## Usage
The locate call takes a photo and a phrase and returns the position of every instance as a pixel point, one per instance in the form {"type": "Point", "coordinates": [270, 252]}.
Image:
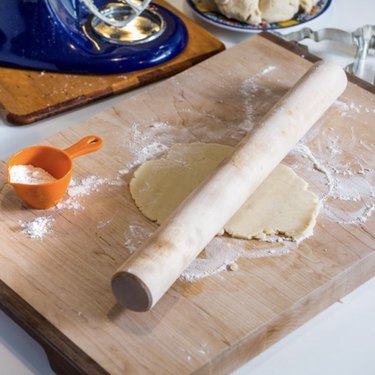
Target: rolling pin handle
{"type": "Point", "coordinates": [137, 296]}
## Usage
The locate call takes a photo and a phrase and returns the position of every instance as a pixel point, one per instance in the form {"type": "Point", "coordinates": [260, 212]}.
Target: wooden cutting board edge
{"type": "Point", "coordinates": [306, 308]}
{"type": "Point", "coordinates": [66, 358]}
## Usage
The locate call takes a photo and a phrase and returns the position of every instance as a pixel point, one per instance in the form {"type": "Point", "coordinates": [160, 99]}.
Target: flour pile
{"type": "Point", "coordinates": [38, 227]}
{"type": "Point", "coordinates": [28, 174]}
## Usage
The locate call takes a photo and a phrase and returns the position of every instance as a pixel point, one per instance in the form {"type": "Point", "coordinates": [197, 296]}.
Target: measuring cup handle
{"type": "Point", "coordinates": [86, 145]}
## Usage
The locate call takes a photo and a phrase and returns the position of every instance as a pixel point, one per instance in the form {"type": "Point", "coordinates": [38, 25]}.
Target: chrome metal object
{"type": "Point", "coordinates": [362, 39]}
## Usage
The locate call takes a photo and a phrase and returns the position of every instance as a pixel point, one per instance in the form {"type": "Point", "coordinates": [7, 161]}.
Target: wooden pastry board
{"type": "Point", "coordinates": [27, 96]}
{"type": "Point", "coordinates": [58, 288]}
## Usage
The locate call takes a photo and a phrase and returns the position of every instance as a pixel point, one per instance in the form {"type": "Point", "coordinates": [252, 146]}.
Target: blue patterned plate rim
{"type": "Point", "coordinates": [220, 20]}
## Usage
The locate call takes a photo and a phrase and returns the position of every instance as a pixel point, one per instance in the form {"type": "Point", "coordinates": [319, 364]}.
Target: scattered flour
{"type": "Point", "coordinates": [83, 186]}
{"type": "Point", "coordinates": [348, 180]}
{"type": "Point", "coordinates": [256, 97]}
{"type": "Point", "coordinates": [28, 174]}
{"type": "Point", "coordinates": [352, 108]}
{"type": "Point", "coordinates": [38, 227]}
{"type": "Point", "coordinates": [78, 187]}
{"type": "Point", "coordinates": [358, 217]}
{"type": "Point", "coordinates": [266, 70]}
{"type": "Point", "coordinates": [220, 254]}
{"type": "Point", "coordinates": [318, 165]}
{"type": "Point", "coordinates": [144, 145]}
{"type": "Point", "coordinates": [341, 106]}
{"type": "Point", "coordinates": [135, 236]}
{"type": "Point", "coordinates": [69, 204]}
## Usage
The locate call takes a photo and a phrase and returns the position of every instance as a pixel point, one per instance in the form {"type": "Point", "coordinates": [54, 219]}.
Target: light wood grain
{"type": "Point", "coordinates": [213, 325]}
{"type": "Point", "coordinates": [27, 96]}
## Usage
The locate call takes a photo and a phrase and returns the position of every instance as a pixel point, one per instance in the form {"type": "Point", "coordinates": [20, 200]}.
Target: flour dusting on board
{"type": "Point", "coordinates": [349, 179]}
{"type": "Point", "coordinates": [78, 188]}
{"type": "Point", "coordinates": [136, 234]}
{"type": "Point", "coordinates": [83, 186]}
{"type": "Point", "coordinates": [147, 144]}
{"type": "Point", "coordinates": [257, 98]}
{"type": "Point", "coordinates": [38, 227]}
{"type": "Point", "coordinates": [221, 253]}
{"type": "Point", "coordinates": [352, 108]}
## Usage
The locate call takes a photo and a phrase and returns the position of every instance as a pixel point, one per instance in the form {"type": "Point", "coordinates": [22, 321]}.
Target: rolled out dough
{"type": "Point", "coordinates": [282, 205]}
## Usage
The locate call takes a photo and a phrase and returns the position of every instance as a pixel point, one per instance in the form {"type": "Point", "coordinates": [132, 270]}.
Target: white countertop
{"type": "Point", "coordinates": [340, 340]}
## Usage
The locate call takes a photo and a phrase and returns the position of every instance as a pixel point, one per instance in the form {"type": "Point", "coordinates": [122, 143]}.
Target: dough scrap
{"type": "Point", "coordinates": [282, 205]}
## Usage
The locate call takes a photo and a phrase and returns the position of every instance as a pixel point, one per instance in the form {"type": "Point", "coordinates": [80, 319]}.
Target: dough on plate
{"type": "Point", "coordinates": [242, 10]}
{"type": "Point", "coordinates": [281, 205]}
{"type": "Point", "coordinates": [254, 11]}
{"type": "Point", "coordinates": [307, 5]}
{"type": "Point", "coordinates": [278, 10]}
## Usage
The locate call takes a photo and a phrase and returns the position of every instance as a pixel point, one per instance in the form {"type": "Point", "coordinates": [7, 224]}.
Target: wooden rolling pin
{"type": "Point", "coordinates": [146, 275]}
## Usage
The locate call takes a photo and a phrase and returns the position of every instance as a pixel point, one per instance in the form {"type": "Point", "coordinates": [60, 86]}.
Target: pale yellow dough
{"type": "Point", "coordinates": [282, 205]}
{"type": "Point", "coordinates": [278, 10]}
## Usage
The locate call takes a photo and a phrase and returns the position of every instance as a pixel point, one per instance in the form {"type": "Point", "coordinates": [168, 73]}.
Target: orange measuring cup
{"type": "Point", "coordinates": [56, 162]}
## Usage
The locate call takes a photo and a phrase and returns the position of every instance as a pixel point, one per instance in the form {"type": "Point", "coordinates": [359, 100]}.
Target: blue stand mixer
{"type": "Point", "coordinates": [88, 36]}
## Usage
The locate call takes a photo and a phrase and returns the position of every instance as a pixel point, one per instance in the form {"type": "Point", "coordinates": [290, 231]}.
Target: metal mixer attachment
{"type": "Point", "coordinates": [125, 21]}
{"type": "Point", "coordinates": [362, 39]}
